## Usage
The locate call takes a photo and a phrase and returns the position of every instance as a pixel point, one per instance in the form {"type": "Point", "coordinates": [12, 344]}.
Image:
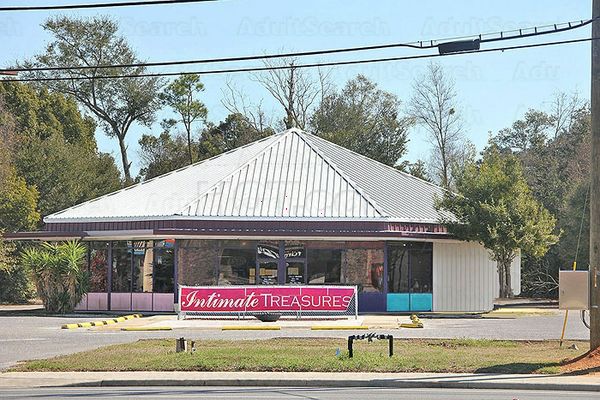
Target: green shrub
{"type": "Point", "coordinates": [59, 274]}
{"type": "Point", "coordinates": [15, 283]}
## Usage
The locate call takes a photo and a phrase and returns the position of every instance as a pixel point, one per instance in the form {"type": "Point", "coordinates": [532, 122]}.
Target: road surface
{"type": "Point", "coordinates": [254, 393]}
{"type": "Point", "coordinates": [34, 337]}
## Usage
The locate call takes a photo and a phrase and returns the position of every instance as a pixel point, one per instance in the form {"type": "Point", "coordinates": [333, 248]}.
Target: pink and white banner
{"type": "Point", "coordinates": [266, 298]}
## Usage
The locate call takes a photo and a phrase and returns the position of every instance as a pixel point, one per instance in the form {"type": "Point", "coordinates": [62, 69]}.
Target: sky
{"type": "Point", "coordinates": [493, 89]}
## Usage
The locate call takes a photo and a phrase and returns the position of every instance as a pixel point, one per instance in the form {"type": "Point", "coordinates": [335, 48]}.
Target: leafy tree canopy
{"type": "Point", "coordinates": [117, 104]}
{"type": "Point", "coordinates": [162, 154]}
{"type": "Point", "coordinates": [168, 152]}
{"type": "Point", "coordinates": [495, 207]}
{"type": "Point", "coordinates": [365, 119]}
{"type": "Point", "coordinates": [18, 201]}
{"type": "Point", "coordinates": [55, 151]}
{"type": "Point", "coordinates": [234, 132]}
{"type": "Point", "coordinates": [180, 96]}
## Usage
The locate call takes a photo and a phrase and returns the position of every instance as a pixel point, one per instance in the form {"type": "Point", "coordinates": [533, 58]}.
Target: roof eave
{"type": "Point", "coordinates": [238, 218]}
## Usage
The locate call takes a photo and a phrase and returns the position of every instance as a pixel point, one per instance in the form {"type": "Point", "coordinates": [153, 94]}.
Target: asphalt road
{"type": "Point", "coordinates": [33, 337]}
{"type": "Point", "coordinates": [250, 393]}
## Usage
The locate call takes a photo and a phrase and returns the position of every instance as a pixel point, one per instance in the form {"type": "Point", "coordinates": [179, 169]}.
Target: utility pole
{"type": "Point", "coordinates": [595, 185]}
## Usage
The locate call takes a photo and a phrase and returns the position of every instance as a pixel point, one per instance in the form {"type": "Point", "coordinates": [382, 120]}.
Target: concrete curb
{"type": "Point", "coordinates": [588, 383]}
{"type": "Point", "coordinates": [337, 328]}
{"type": "Point", "coordinates": [387, 383]}
{"type": "Point", "coordinates": [102, 322]}
{"type": "Point", "coordinates": [146, 328]}
{"type": "Point", "coordinates": [250, 328]}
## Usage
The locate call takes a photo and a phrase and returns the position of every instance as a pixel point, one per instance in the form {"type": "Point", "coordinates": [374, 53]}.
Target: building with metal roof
{"type": "Point", "coordinates": [238, 217]}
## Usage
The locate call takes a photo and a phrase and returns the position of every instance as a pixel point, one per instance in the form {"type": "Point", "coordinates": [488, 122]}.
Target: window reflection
{"type": "Point", "coordinates": [410, 267]}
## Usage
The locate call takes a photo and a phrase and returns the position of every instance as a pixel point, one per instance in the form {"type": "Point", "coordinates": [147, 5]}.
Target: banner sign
{"type": "Point", "coordinates": [266, 298]}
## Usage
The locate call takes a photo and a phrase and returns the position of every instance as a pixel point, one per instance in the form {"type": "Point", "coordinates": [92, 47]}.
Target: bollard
{"type": "Point", "coordinates": [180, 345]}
{"type": "Point", "coordinates": [350, 341]}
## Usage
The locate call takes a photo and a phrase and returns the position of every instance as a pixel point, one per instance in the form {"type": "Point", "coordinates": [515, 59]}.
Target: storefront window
{"type": "Point", "coordinates": [143, 266]}
{"type": "Point", "coordinates": [324, 266]}
{"type": "Point", "coordinates": [237, 263]}
{"type": "Point", "coordinates": [398, 256]}
{"type": "Point", "coordinates": [121, 267]}
{"type": "Point", "coordinates": [410, 267]}
{"type": "Point", "coordinates": [362, 265]}
{"type": "Point", "coordinates": [198, 262]}
{"type": "Point", "coordinates": [98, 266]}
{"type": "Point", "coordinates": [267, 256]}
{"type": "Point", "coordinates": [295, 262]}
{"type": "Point", "coordinates": [163, 270]}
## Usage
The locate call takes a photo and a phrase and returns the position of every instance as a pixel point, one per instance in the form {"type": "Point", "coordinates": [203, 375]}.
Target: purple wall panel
{"type": "Point", "coordinates": [371, 302]}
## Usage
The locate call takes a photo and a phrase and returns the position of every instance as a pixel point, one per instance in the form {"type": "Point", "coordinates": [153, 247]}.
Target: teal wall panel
{"type": "Point", "coordinates": [398, 302]}
{"type": "Point", "coordinates": [421, 302]}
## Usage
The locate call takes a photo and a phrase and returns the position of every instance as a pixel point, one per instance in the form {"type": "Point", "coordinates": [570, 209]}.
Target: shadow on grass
{"type": "Point", "coordinates": [516, 368]}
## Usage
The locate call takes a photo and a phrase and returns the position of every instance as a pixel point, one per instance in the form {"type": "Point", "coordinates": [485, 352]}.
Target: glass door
{"type": "Point", "coordinates": [410, 276]}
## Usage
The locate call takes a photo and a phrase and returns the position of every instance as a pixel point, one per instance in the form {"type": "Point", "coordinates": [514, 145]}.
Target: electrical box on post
{"type": "Point", "coordinates": [573, 290]}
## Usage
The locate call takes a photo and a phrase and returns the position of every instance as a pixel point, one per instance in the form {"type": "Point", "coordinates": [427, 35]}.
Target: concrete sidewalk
{"type": "Point", "coordinates": [301, 379]}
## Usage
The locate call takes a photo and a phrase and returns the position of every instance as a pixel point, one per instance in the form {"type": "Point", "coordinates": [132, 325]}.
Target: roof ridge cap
{"type": "Point", "coordinates": [345, 176]}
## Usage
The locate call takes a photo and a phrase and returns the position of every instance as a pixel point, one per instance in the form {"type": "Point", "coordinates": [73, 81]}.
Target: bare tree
{"type": "Point", "coordinates": [295, 89]}
{"type": "Point", "coordinates": [565, 109]}
{"type": "Point", "coordinates": [433, 105]}
{"type": "Point", "coordinates": [237, 102]}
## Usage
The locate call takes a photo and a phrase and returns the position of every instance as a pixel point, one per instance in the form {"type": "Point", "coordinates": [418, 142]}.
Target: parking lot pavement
{"type": "Point", "coordinates": [33, 337]}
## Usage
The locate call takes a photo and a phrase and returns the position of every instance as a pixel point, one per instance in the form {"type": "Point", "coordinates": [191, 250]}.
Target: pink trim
{"type": "Point", "coordinates": [83, 304]}
{"type": "Point", "coordinates": [163, 302]}
{"type": "Point", "coordinates": [120, 301]}
{"type": "Point", "coordinates": [97, 301]}
{"type": "Point", "coordinates": [141, 301]}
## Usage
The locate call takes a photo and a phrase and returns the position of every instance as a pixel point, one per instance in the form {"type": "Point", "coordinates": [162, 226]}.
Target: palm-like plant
{"type": "Point", "coordinates": [59, 274]}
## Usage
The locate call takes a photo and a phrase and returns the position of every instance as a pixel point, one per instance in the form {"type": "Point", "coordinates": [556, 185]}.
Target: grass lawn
{"type": "Point", "coordinates": [319, 354]}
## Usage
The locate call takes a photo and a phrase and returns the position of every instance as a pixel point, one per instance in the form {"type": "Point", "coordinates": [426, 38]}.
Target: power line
{"type": "Point", "coordinates": [99, 5]}
{"type": "Point", "coordinates": [312, 65]}
{"type": "Point", "coordinates": [427, 44]}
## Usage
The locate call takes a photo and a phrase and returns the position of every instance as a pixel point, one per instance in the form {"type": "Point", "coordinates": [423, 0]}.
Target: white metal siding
{"type": "Point", "coordinates": [465, 279]}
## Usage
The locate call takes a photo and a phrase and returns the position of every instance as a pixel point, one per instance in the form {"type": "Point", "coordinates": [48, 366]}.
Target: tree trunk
{"type": "Point", "coordinates": [189, 140]}
{"type": "Point", "coordinates": [125, 160]}
{"type": "Point", "coordinates": [509, 292]}
{"type": "Point", "coordinates": [501, 280]}
{"type": "Point", "coordinates": [504, 277]}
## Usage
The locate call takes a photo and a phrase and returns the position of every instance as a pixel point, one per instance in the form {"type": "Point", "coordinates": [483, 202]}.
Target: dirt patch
{"type": "Point", "coordinates": [584, 364]}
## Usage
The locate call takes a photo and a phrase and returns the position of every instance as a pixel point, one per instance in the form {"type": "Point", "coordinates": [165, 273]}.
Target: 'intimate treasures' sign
{"type": "Point", "coordinates": [266, 298]}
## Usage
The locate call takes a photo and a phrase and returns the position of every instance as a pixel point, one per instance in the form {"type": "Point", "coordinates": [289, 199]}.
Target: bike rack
{"type": "Point", "coordinates": [370, 337]}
